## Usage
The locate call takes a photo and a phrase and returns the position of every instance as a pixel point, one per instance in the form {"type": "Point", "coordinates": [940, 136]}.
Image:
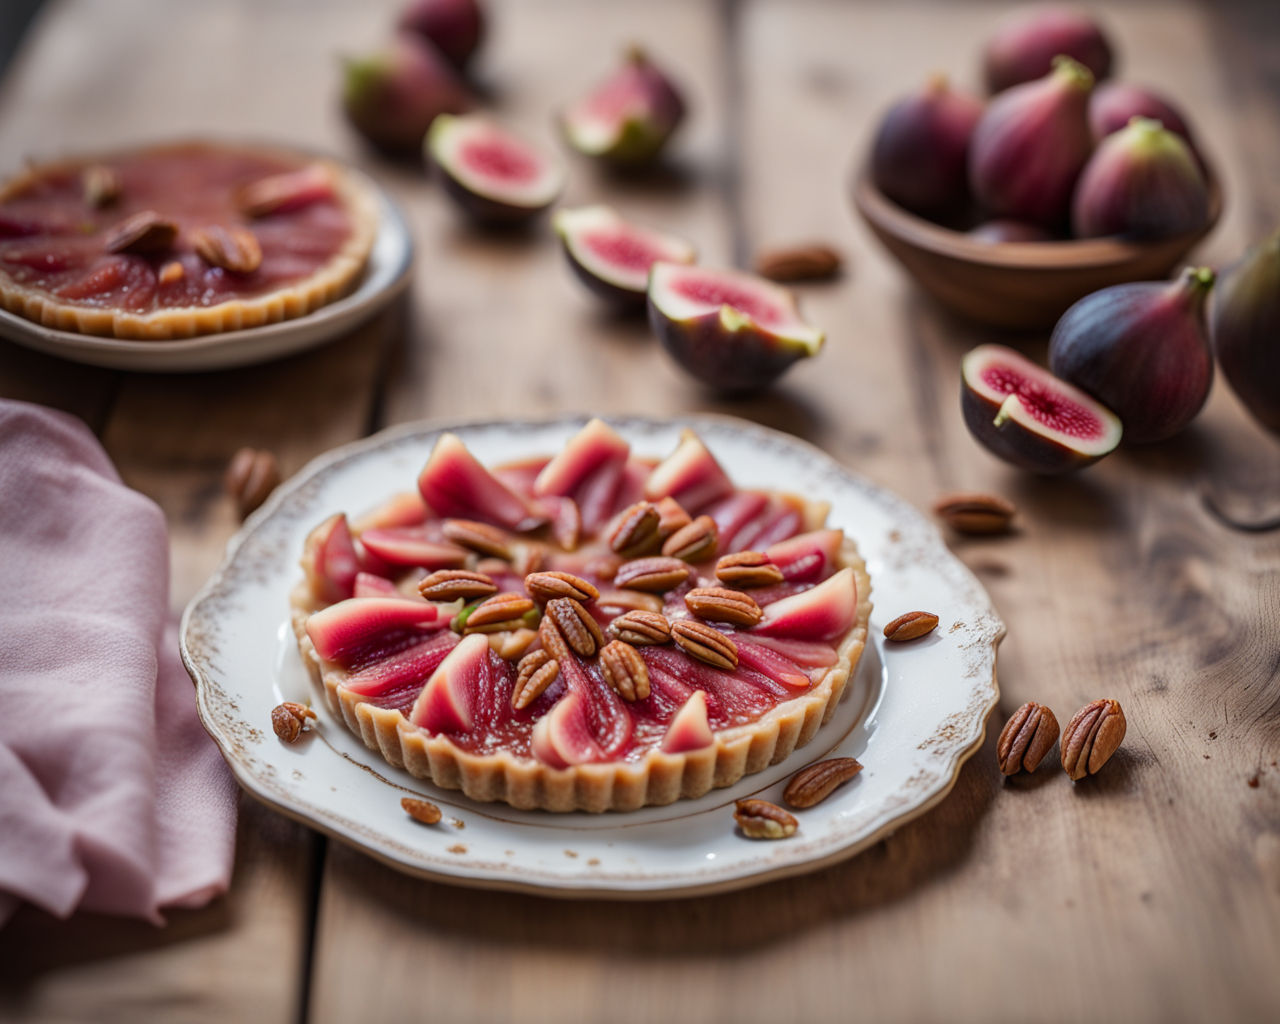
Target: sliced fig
{"type": "Point", "coordinates": [690, 474]}
{"type": "Point", "coordinates": [456, 486]}
{"type": "Point", "coordinates": [405, 509]}
{"type": "Point", "coordinates": [1024, 44]}
{"type": "Point", "coordinates": [1245, 327]}
{"type": "Point", "coordinates": [733, 513]}
{"type": "Point", "coordinates": [496, 177]}
{"type": "Point", "coordinates": [611, 256]}
{"type": "Point", "coordinates": [628, 118]}
{"type": "Point", "coordinates": [369, 585]}
{"type": "Point", "coordinates": [776, 523]}
{"type": "Point", "coordinates": [770, 662]}
{"type": "Point", "coordinates": [1028, 417]}
{"type": "Point", "coordinates": [732, 697]}
{"type": "Point", "coordinates": [809, 654]}
{"type": "Point", "coordinates": [807, 556]}
{"type": "Point", "coordinates": [689, 730]}
{"type": "Point", "coordinates": [329, 559]}
{"type": "Point", "coordinates": [730, 329]}
{"type": "Point", "coordinates": [408, 546]}
{"type": "Point", "coordinates": [445, 704]}
{"type": "Point", "coordinates": [823, 612]}
{"type": "Point", "coordinates": [405, 671]}
{"type": "Point", "coordinates": [589, 468]}
{"type": "Point", "coordinates": [454, 27]}
{"type": "Point", "coordinates": [347, 626]}
{"type": "Point", "coordinates": [562, 737]}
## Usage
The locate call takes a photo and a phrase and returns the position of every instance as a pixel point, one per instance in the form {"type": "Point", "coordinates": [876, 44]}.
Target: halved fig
{"type": "Point", "coordinates": [807, 556]}
{"type": "Point", "coordinates": [405, 509]}
{"type": "Point", "coordinates": [345, 627]}
{"type": "Point", "coordinates": [496, 177]}
{"type": "Point", "coordinates": [823, 612]}
{"type": "Point", "coordinates": [689, 730]}
{"type": "Point", "coordinates": [690, 474]}
{"type": "Point", "coordinates": [628, 119]}
{"type": "Point", "coordinates": [445, 704]}
{"type": "Point", "coordinates": [457, 486]}
{"type": "Point", "coordinates": [730, 329]}
{"type": "Point", "coordinates": [1029, 417]}
{"type": "Point", "coordinates": [329, 559]}
{"type": "Point", "coordinates": [589, 468]}
{"type": "Point", "coordinates": [562, 737]}
{"type": "Point", "coordinates": [611, 256]}
{"type": "Point", "coordinates": [409, 546]}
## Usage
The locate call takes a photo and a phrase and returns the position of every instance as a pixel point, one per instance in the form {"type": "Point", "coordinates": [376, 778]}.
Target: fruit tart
{"type": "Point", "coordinates": [181, 240]}
{"type": "Point", "coordinates": [591, 631]}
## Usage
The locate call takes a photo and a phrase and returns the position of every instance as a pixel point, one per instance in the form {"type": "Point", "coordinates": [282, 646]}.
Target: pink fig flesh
{"type": "Point", "coordinates": [1245, 327]}
{"type": "Point", "coordinates": [402, 510]}
{"type": "Point", "coordinates": [733, 513]}
{"type": "Point", "coordinates": [369, 585]}
{"type": "Point", "coordinates": [409, 546]}
{"type": "Point", "coordinates": [456, 486]}
{"type": "Point", "coordinates": [402, 674]}
{"type": "Point", "coordinates": [629, 118]}
{"type": "Point", "coordinates": [611, 256]}
{"type": "Point", "coordinates": [807, 556]}
{"type": "Point", "coordinates": [823, 612]}
{"type": "Point", "coordinates": [344, 628]}
{"type": "Point", "coordinates": [589, 468]}
{"type": "Point", "coordinates": [689, 730]}
{"type": "Point", "coordinates": [776, 522]}
{"type": "Point", "coordinates": [811, 654]}
{"type": "Point", "coordinates": [445, 704]}
{"type": "Point", "coordinates": [562, 737]}
{"type": "Point", "coordinates": [1024, 44]}
{"type": "Point", "coordinates": [771, 663]}
{"type": "Point", "coordinates": [454, 27]}
{"type": "Point", "coordinates": [329, 560]}
{"type": "Point", "coordinates": [690, 474]}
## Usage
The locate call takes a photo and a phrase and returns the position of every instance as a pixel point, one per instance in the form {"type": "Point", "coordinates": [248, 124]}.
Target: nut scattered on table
{"type": "Point", "coordinates": [1091, 737]}
{"type": "Point", "coordinates": [975, 513]}
{"type": "Point", "coordinates": [421, 810]}
{"type": "Point", "coordinates": [289, 719]}
{"type": "Point", "coordinates": [250, 478]}
{"type": "Point", "coordinates": [910, 626]}
{"type": "Point", "coordinates": [760, 819]}
{"type": "Point", "coordinates": [811, 262]}
{"type": "Point", "coordinates": [1029, 734]}
{"type": "Point", "coordinates": [812, 785]}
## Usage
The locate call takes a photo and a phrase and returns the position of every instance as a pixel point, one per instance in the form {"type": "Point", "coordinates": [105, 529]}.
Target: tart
{"type": "Point", "coordinates": [594, 631]}
{"type": "Point", "coordinates": [182, 240]}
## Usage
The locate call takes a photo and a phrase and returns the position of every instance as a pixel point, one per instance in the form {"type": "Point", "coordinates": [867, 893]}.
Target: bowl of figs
{"type": "Point", "coordinates": [1062, 182]}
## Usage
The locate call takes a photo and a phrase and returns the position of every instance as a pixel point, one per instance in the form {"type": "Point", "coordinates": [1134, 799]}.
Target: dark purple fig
{"type": "Point", "coordinates": [1245, 327]}
{"type": "Point", "coordinates": [454, 27]}
{"type": "Point", "coordinates": [1141, 182]}
{"type": "Point", "coordinates": [921, 150]}
{"type": "Point", "coordinates": [1141, 349]}
{"type": "Point", "coordinates": [730, 329]}
{"type": "Point", "coordinates": [1024, 44]}
{"type": "Point", "coordinates": [1028, 417]}
{"type": "Point", "coordinates": [629, 117]}
{"type": "Point", "coordinates": [613, 257]}
{"type": "Point", "coordinates": [393, 97]}
{"type": "Point", "coordinates": [1030, 145]}
{"type": "Point", "coordinates": [1011, 231]}
{"type": "Point", "coordinates": [1113, 104]}
{"type": "Point", "coordinates": [496, 177]}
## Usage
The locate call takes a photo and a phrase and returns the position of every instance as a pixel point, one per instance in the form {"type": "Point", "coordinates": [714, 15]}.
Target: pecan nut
{"type": "Point", "coordinates": [515, 643]}
{"type": "Point", "coordinates": [971, 512]}
{"type": "Point", "coordinates": [654, 575]}
{"type": "Point", "coordinates": [537, 670]}
{"type": "Point", "coordinates": [748, 569]}
{"type": "Point", "coordinates": [497, 613]}
{"type": "Point", "coordinates": [289, 719]}
{"type": "Point", "coordinates": [624, 670]}
{"type": "Point", "coordinates": [231, 248]}
{"type": "Point", "coordinates": [250, 478]}
{"type": "Point", "coordinates": [1026, 738]}
{"type": "Point", "coordinates": [812, 785]}
{"type": "Point", "coordinates": [577, 625]}
{"type": "Point", "coordinates": [481, 537]}
{"type": "Point", "coordinates": [695, 542]}
{"type": "Point", "coordinates": [910, 626]}
{"type": "Point", "coordinates": [700, 641]}
{"type": "Point", "coordinates": [760, 819]}
{"type": "Point", "coordinates": [1091, 737]}
{"type": "Point", "coordinates": [452, 584]}
{"type": "Point", "coordinates": [637, 531]}
{"type": "Point", "coordinates": [671, 517]}
{"type": "Point", "coordinates": [720, 604]}
{"type": "Point", "coordinates": [552, 639]}
{"type": "Point", "coordinates": [421, 810]}
{"type": "Point", "coordinates": [641, 628]}
{"type": "Point", "coordinates": [812, 262]}
{"type": "Point", "coordinates": [101, 185]}
{"type": "Point", "coordinates": [545, 586]}
{"type": "Point", "coordinates": [142, 233]}
{"type": "Point", "coordinates": [627, 600]}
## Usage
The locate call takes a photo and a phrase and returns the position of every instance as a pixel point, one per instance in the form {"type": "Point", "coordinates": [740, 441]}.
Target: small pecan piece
{"type": "Point", "coordinates": [624, 670]}
{"type": "Point", "coordinates": [452, 584]}
{"type": "Point", "coordinates": [421, 810]}
{"type": "Point", "coordinates": [481, 537]}
{"type": "Point", "coordinates": [671, 517]}
{"type": "Point", "coordinates": [812, 262]}
{"type": "Point", "coordinates": [231, 248]}
{"type": "Point", "coordinates": [171, 273]}
{"type": "Point", "coordinates": [700, 641]}
{"type": "Point", "coordinates": [577, 625]}
{"type": "Point", "coordinates": [251, 476]}
{"type": "Point", "coordinates": [498, 613]}
{"type": "Point", "coordinates": [695, 542]}
{"type": "Point", "coordinates": [142, 233]}
{"type": "Point", "coordinates": [637, 531]}
{"type": "Point", "coordinates": [748, 569]}
{"type": "Point", "coordinates": [546, 586]}
{"type": "Point", "coordinates": [640, 628]}
{"type": "Point", "coordinates": [760, 819]}
{"type": "Point", "coordinates": [1026, 738]}
{"type": "Point", "coordinates": [515, 643]}
{"type": "Point", "coordinates": [654, 575]}
{"type": "Point", "coordinates": [720, 604]}
{"type": "Point", "coordinates": [1091, 737]}
{"type": "Point", "coordinates": [815, 783]}
{"type": "Point", "coordinates": [537, 670]}
{"type": "Point", "coordinates": [101, 185]}
{"type": "Point", "coordinates": [910, 626]}
{"type": "Point", "coordinates": [289, 719]}
{"type": "Point", "coordinates": [970, 512]}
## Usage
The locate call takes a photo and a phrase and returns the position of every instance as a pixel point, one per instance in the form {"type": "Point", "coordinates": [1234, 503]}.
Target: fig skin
{"type": "Point", "coordinates": [1113, 104]}
{"type": "Point", "coordinates": [658, 113]}
{"type": "Point", "coordinates": [1245, 329]}
{"type": "Point", "coordinates": [455, 27]}
{"type": "Point", "coordinates": [1141, 350]}
{"type": "Point", "coordinates": [997, 231]}
{"type": "Point", "coordinates": [1030, 145]}
{"type": "Point", "coordinates": [1142, 182]}
{"type": "Point", "coordinates": [920, 157]}
{"type": "Point", "coordinates": [1024, 44]}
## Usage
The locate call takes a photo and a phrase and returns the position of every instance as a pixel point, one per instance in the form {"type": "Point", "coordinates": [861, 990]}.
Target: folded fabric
{"type": "Point", "coordinates": [112, 797]}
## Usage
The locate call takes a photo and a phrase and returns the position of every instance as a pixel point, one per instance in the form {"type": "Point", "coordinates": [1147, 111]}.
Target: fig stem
{"type": "Point", "coordinates": [1073, 71]}
{"type": "Point", "coordinates": [1005, 410]}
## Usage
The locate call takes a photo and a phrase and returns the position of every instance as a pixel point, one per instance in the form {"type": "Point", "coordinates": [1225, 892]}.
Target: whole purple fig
{"type": "Point", "coordinates": [1245, 327]}
{"type": "Point", "coordinates": [454, 27]}
{"type": "Point", "coordinates": [1030, 144]}
{"type": "Point", "coordinates": [1141, 350]}
{"type": "Point", "coordinates": [1024, 44]}
{"type": "Point", "coordinates": [1113, 104]}
{"type": "Point", "coordinates": [1141, 182]}
{"type": "Point", "coordinates": [921, 150]}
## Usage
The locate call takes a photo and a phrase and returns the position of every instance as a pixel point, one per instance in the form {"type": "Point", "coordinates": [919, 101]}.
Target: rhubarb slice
{"type": "Point", "coordinates": [690, 474]}
{"type": "Point", "coordinates": [406, 670]}
{"type": "Point", "coordinates": [562, 737]}
{"type": "Point", "coordinates": [689, 730]}
{"type": "Point", "coordinates": [344, 628]}
{"type": "Point", "coordinates": [445, 704]}
{"type": "Point", "coordinates": [409, 546]}
{"type": "Point", "coordinates": [807, 556]}
{"type": "Point", "coordinates": [405, 509]}
{"type": "Point", "coordinates": [456, 486]}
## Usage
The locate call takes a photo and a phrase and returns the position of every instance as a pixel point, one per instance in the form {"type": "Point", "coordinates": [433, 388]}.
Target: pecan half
{"type": "Point", "coordinates": [910, 626]}
{"type": "Point", "coordinates": [251, 476]}
{"type": "Point", "coordinates": [760, 819]}
{"type": "Point", "coordinates": [748, 569]}
{"type": "Point", "coordinates": [700, 641]}
{"type": "Point", "coordinates": [627, 600]}
{"type": "Point", "coordinates": [143, 232]}
{"type": "Point", "coordinates": [498, 613]}
{"type": "Point", "coordinates": [637, 531]}
{"type": "Point", "coordinates": [516, 643]}
{"type": "Point", "coordinates": [231, 248]}
{"type": "Point", "coordinates": [971, 512]}
{"type": "Point", "coordinates": [289, 719]}
{"type": "Point", "coordinates": [1091, 737]}
{"type": "Point", "coordinates": [421, 810]}
{"type": "Point", "coordinates": [552, 639]}
{"type": "Point", "coordinates": [452, 584]}
{"type": "Point", "coordinates": [624, 670]}
{"type": "Point", "coordinates": [537, 670]}
{"type": "Point", "coordinates": [812, 262]}
{"type": "Point", "coordinates": [1026, 738]}
{"type": "Point", "coordinates": [671, 517]}
{"type": "Point", "coordinates": [815, 783]}
{"type": "Point", "coordinates": [720, 604]}
{"type": "Point", "coordinates": [545, 586]}
{"type": "Point", "coordinates": [641, 629]}
{"type": "Point", "coordinates": [654, 575]}
{"type": "Point", "coordinates": [577, 625]}
{"type": "Point", "coordinates": [101, 185]}
{"type": "Point", "coordinates": [481, 537]}
{"type": "Point", "coordinates": [695, 542]}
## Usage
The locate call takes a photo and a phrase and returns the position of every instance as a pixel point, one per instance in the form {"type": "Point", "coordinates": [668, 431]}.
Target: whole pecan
{"type": "Point", "coordinates": [624, 670]}
{"type": "Point", "coordinates": [536, 671]}
{"type": "Point", "coordinates": [545, 586]}
{"type": "Point", "coordinates": [142, 233]}
{"type": "Point", "coordinates": [231, 248]}
{"type": "Point", "coordinates": [101, 185]}
{"type": "Point", "coordinates": [577, 625]}
{"type": "Point", "coordinates": [654, 575]}
{"type": "Point", "coordinates": [641, 629]}
{"type": "Point", "coordinates": [481, 537]}
{"type": "Point", "coordinates": [251, 476]}
{"type": "Point", "coordinates": [815, 783]}
{"type": "Point", "coordinates": [747, 569]}
{"type": "Point", "coordinates": [719, 604]}
{"type": "Point", "coordinates": [760, 819]}
{"type": "Point", "coordinates": [695, 542]}
{"type": "Point", "coordinates": [421, 810]}
{"type": "Point", "coordinates": [498, 613]}
{"type": "Point", "coordinates": [1091, 737]}
{"type": "Point", "coordinates": [910, 626]}
{"type": "Point", "coordinates": [671, 517]}
{"type": "Point", "coordinates": [812, 262]}
{"type": "Point", "coordinates": [1028, 735]}
{"type": "Point", "coordinates": [452, 584]}
{"type": "Point", "coordinates": [289, 719]}
{"type": "Point", "coordinates": [637, 531]}
{"type": "Point", "coordinates": [972, 512]}
{"type": "Point", "coordinates": [700, 641]}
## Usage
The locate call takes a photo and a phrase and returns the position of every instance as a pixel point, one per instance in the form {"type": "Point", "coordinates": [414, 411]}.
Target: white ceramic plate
{"type": "Point", "coordinates": [916, 711]}
{"type": "Point", "coordinates": [384, 278]}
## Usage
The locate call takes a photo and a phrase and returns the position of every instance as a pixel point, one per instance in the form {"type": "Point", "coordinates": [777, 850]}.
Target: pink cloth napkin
{"type": "Point", "coordinates": [112, 797]}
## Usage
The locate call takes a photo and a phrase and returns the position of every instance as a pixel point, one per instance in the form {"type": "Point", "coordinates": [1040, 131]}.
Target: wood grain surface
{"type": "Point", "coordinates": [1150, 893]}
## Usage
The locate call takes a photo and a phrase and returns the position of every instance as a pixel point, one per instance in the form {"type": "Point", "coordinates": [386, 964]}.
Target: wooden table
{"type": "Point", "coordinates": [1150, 893]}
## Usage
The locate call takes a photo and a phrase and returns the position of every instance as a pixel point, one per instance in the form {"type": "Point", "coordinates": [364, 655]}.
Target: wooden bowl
{"type": "Point", "coordinates": [1025, 285]}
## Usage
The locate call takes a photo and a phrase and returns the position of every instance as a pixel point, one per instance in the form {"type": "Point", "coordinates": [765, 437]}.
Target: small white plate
{"type": "Point", "coordinates": [384, 278]}
{"type": "Point", "coordinates": [914, 714]}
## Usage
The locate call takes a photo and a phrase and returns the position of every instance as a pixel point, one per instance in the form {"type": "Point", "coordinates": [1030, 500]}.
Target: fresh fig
{"type": "Point", "coordinates": [496, 177]}
{"type": "Point", "coordinates": [1245, 326]}
{"type": "Point", "coordinates": [996, 231]}
{"type": "Point", "coordinates": [455, 485]}
{"type": "Point", "coordinates": [588, 470]}
{"type": "Point", "coordinates": [1140, 348]}
{"type": "Point", "coordinates": [690, 475]}
{"type": "Point", "coordinates": [330, 561]}
{"type": "Point", "coordinates": [1030, 145]}
{"type": "Point", "coordinates": [1024, 44]}
{"type": "Point", "coordinates": [689, 729]}
{"type": "Point", "coordinates": [1028, 417]}
{"type": "Point", "coordinates": [1142, 182]}
{"type": "Point", "coordinates": [393, 97]}
{"type": "Point", "coordinates": [454, 27]}
{"type": "Point", "coordinates": [1113, 104]}
{"type": "Point", "coordinates": [921, 150]}
{"type": "Point", "coordinates": [611, 256]}
{"type": "Point", "coordinates": [730, 329]}
{"type": "Point", "coordinates": [629, 117]}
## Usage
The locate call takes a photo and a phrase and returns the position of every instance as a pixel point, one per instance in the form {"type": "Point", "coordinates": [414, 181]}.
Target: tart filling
{"type": "Point", "coordinates": [593, 631]}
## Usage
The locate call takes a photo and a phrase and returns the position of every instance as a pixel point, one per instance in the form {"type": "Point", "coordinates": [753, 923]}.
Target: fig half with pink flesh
{"type": "Point", "coordinates": [730, 329]}
{"type": "Point", "coordinates": [496, 177]}
{"type": "Point", "coordinates": [690, 474]}
{"type": "Point", "coordinates": [456, 486]}
{"type": "Point", "coordinates": [1028, 417]}
{"type": "Point", "coordinates": [611, 256]}
{"type": "Point", "coordinates": [629, 118]}
{"type": "Point", "coordinates": [344, 627]}
{"type": "Point", "coordinates": [823, 612]}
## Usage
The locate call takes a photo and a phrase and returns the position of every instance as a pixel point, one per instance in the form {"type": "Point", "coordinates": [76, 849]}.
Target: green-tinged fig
{"type": "Point", "coordinates": [1142, 182]}
{"type": "Point", "coordinates": [1113, 105]}
{"type": "Point", "coordinates": [1011, 231]}
{"type": "Point", "coordinates": [629, 117]}
{"type": "Point", "coordinates": [611, 256]}
{"type": "Point", "coordinates": [1245, 327]}
{"type": "Point", "coordinates": [1030, 145]}
{"type": "Point", "coordinates": [921, 150]}
{"type": "Point", "coordinates": [1141, 349]}
{"type": "Point", "coordinates": [454, 27]}
{"type": "Point", "coordinates": [496, 177]}
{"type": "Point", "coordinates": [1028, 417]}
{"type": "Point", "coordinates": [730, 329]}
{"type": "Point", "coordinates": [1024, 44]}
